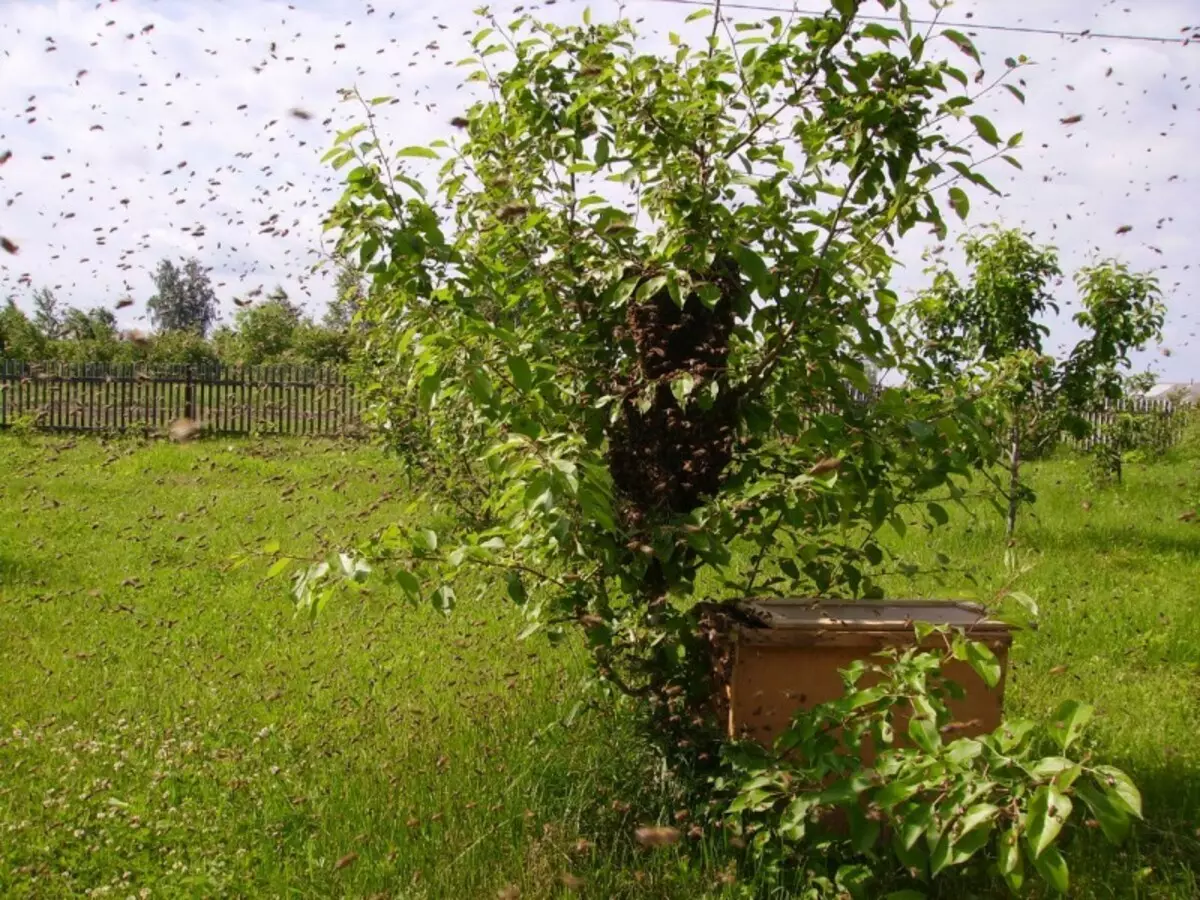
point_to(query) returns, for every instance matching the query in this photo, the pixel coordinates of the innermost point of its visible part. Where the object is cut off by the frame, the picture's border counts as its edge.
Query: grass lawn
(170, 729)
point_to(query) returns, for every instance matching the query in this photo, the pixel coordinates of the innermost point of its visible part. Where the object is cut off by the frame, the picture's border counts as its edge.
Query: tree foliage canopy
(995, 324)
(184, 299)
(636, 347)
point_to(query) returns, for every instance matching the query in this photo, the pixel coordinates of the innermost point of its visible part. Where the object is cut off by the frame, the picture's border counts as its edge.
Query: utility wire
(1024, 29)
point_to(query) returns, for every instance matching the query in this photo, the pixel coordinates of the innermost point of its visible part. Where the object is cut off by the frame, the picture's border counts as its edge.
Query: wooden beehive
(793, 659)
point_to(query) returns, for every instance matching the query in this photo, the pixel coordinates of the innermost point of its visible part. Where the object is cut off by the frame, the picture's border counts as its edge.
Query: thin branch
(791, 101)
(712, 37)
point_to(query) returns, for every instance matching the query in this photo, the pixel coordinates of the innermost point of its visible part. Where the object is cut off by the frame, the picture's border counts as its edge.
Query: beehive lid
(803, 614)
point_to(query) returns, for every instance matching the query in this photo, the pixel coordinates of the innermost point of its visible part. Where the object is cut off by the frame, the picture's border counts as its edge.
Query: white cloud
(1132, 160)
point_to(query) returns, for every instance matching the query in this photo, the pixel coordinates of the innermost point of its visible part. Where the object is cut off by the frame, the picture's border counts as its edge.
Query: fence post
(188, 408)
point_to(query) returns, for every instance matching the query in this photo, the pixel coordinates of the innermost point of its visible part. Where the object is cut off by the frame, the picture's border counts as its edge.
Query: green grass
(170, 727)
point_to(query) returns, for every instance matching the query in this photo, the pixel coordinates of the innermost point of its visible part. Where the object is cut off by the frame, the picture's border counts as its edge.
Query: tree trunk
(1014, 478)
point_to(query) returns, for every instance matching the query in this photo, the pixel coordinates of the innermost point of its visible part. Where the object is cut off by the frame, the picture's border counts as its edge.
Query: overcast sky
(148, 128)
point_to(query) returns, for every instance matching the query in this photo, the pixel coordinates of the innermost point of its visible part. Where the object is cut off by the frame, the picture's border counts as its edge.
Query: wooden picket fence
(1161, 422)
(293, 400)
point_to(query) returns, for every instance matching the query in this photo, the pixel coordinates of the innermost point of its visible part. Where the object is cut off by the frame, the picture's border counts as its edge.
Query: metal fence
(299, 400)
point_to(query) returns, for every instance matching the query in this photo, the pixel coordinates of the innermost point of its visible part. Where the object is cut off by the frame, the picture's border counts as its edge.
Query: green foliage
(95, 324)
(20, 338)
(655, 272)
(263, 332)
(997, 315)
(1124, 312)
(179, 348)
(321, 344)
(184, 300)
(276, 331)
(48, 314)
(105, 349)
(929, 801)
(349, 292)
(994, 326)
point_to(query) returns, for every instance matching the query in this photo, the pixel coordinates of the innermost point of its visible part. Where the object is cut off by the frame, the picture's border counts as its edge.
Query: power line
(1024, 29)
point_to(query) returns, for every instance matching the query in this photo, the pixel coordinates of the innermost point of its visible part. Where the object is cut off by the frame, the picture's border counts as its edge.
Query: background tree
(264, 332)
(348, 297)
(279, 296)
(96, 324)
(996, 320)
(180, 348)
(20, 338)
(321, 345)
(184, 300)
(47, 313)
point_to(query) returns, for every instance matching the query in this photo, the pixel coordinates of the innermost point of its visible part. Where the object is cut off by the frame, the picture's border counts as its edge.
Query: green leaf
(923, 732)
(623, 290)
(443, 599)
(1053, 868)
(911, 855)
(270, 548)
(650, 287)
(521, 373)
(698, 14)
(1049, 767)
(984, 662)
(1111, 815)
(959, 202)
(428, 390)
(1120, 788)
(986, 130)
(979, 814)
(516, 588)
(882, 33)
(894, 792)
(409, 584)
(922, 431)
(864, 831)
(1010, 735)
(1068, 722)
(755, 269)
(1009, 860)
(682, 387)
(1016, 92)
(277, 567)
(963, 750)
(940, 857)
(1048, 809)
(422, 152)
(963, 43)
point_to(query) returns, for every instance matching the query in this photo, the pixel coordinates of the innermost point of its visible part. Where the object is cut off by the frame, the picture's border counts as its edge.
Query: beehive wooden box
(793, 660)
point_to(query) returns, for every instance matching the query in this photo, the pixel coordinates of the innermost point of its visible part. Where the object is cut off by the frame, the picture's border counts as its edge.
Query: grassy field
(169, 729)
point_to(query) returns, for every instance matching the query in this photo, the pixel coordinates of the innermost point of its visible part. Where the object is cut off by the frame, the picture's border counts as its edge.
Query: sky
(143, 129)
